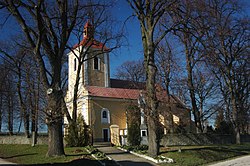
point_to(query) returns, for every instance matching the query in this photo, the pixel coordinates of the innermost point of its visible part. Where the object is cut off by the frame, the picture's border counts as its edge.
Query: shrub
(134, 134)
(78, 133)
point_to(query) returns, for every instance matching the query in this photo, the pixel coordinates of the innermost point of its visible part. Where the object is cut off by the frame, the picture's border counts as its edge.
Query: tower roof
(88, 25)
(91, 43)
(88, 38)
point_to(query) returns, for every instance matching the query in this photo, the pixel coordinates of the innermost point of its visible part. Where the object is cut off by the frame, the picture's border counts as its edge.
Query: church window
(96, 63)
(143, 133)
(105, 116)
(75, 64)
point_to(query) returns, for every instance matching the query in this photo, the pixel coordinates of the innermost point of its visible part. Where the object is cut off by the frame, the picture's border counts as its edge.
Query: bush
(78, 133)
(141, 147)
(133, 119)
(134, 135)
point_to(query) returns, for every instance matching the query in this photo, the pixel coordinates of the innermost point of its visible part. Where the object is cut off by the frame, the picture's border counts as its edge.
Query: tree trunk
(235, 119)
(169, 114)
(54, 121)
(10, 115)
(34, 127)
(55, 142)
(24, 112)
(76, 87)
(191, 88)
(1, 105)
(153, 145)
(151, 102)
(26, 119)
(167, 82)
(34, 123)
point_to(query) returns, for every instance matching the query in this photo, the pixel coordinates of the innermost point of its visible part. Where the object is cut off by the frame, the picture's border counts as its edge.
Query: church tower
(95, 70)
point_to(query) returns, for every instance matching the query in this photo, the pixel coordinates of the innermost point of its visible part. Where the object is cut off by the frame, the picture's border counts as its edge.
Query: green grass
(189, 155)
(202, 155)
(26, 154)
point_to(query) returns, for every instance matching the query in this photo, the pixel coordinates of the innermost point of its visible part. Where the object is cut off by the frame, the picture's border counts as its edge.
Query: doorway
(105, 133)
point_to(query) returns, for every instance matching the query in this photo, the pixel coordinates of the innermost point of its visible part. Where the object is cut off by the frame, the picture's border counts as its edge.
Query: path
(4, 162)
(122, 158)
(241, 161)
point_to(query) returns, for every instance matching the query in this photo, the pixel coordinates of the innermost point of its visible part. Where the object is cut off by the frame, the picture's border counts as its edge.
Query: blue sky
(121, 12)
(133, 51)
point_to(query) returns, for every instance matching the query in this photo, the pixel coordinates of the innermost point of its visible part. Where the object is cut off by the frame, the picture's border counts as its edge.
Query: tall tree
(8, 97)
(166, 66)
(149, 14)
(191, 30)
(47, 27)
(24, 68)
(228, 58)
(206, 93)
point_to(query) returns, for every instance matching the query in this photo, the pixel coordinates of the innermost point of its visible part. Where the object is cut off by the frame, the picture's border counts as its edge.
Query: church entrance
(105, 133)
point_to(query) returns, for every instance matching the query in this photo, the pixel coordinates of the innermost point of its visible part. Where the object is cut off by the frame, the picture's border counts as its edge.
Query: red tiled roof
(133, 94)
(113, 92)
(87, 42)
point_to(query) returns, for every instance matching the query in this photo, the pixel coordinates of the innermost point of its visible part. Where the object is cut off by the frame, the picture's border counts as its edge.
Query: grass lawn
(28, 155)
(202, 155)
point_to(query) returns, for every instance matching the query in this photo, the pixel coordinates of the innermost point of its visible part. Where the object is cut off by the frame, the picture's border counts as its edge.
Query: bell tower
(95, 70)
(88, 32)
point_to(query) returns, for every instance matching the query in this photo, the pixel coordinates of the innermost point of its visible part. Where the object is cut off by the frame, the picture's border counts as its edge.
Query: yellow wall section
(117, 110)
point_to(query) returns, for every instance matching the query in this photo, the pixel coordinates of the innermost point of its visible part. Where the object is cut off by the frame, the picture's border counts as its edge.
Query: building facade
(102, 101)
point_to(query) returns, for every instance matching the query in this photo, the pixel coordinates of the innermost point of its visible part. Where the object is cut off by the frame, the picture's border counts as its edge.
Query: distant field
(26, 154)
(201, 155)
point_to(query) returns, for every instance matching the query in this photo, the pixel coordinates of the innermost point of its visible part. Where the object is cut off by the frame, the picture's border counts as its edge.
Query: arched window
(75, 64)
(96, 63)
(105, 116)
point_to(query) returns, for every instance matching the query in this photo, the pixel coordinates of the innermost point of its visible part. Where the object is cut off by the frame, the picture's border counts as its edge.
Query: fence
(21, 139)
(200, 139)
(167, 140)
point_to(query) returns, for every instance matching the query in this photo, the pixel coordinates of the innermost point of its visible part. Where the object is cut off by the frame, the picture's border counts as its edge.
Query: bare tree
(166, 65)
(206, 94)
(228, 59)
(191, 31)
(2, 76)
(24, 69)
(149, 13)
(47, 27)
(8, 97)
(132, 71)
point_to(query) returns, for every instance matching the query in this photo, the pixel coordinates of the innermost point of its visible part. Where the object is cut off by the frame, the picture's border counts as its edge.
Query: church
(103, 101)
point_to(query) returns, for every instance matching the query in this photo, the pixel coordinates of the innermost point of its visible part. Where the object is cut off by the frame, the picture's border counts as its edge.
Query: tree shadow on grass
(133, 163)
(222, 149)
(77, 162)
(19, 155)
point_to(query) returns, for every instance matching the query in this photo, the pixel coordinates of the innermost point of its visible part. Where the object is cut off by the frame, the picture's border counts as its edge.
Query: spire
(88, 30)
